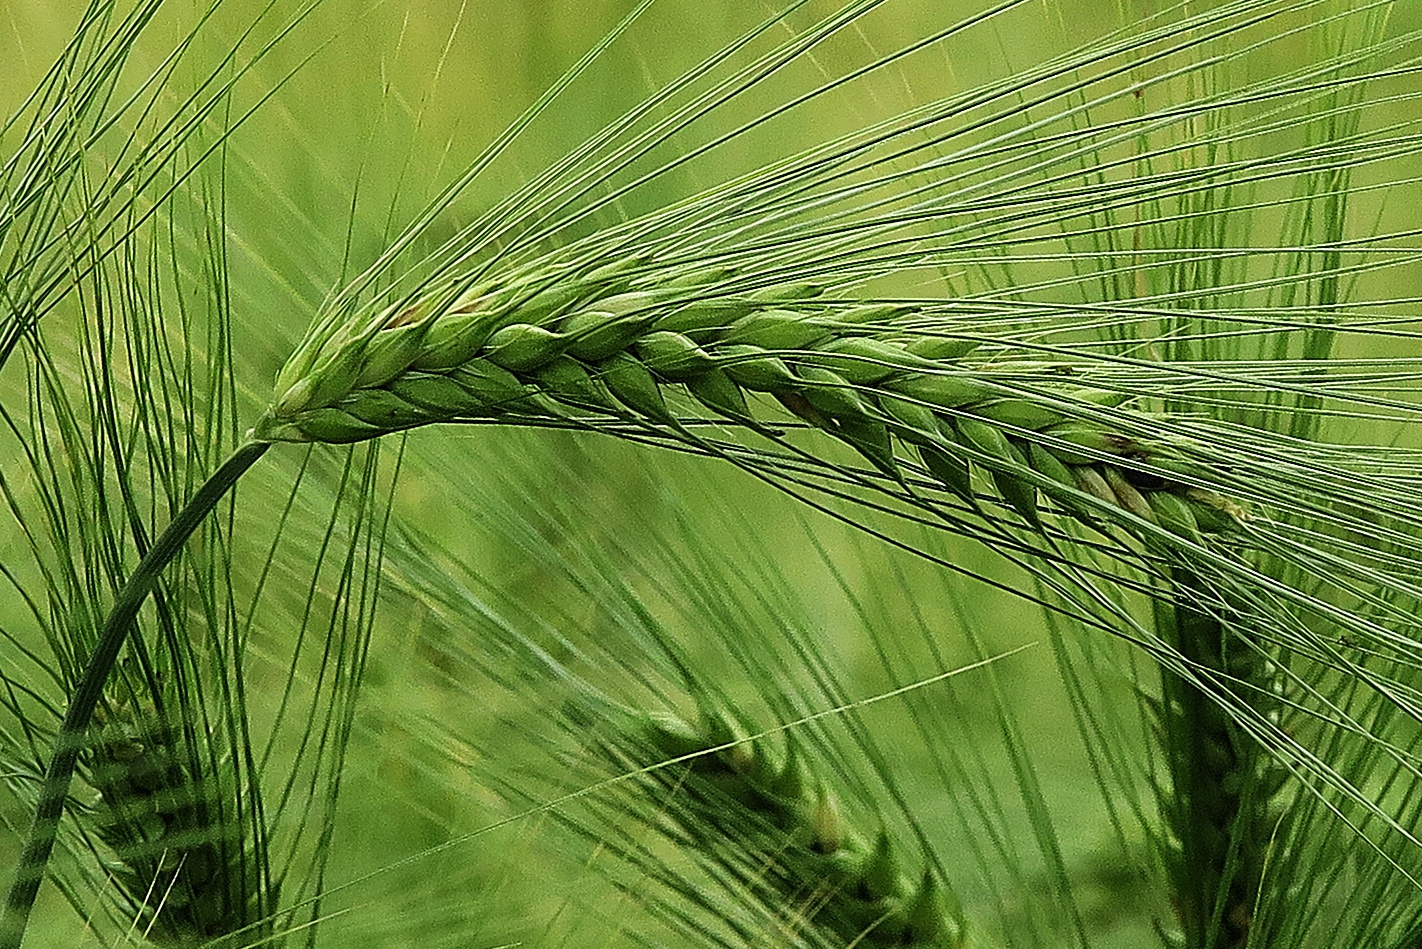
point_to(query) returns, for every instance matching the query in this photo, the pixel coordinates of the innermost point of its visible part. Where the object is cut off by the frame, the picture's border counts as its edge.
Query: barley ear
(1221, 808)
(181, 857)
(70, 739)
(739, 802)
(878, 377)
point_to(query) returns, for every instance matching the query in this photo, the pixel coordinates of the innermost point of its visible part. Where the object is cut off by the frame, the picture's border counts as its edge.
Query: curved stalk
(72, 731)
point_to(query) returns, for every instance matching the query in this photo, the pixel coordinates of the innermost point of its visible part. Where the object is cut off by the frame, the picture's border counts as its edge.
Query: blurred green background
(372, 108)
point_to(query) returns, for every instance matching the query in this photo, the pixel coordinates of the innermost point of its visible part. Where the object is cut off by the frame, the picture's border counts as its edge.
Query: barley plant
(1008, 534)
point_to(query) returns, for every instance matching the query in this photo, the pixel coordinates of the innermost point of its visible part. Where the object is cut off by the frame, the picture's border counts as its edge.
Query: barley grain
(1224, 785)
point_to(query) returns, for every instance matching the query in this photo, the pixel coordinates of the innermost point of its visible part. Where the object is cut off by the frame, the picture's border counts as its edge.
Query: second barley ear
(738, 799)
(180, 854)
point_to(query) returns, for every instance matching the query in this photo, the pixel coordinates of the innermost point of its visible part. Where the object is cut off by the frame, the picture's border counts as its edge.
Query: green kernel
(776, 329)
(754, 368)
(523, 347)
(673, 356)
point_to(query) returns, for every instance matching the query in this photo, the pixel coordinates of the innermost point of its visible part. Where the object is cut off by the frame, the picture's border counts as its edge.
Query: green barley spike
(1222, 808)
(179, 855)
(737, 800)
(868, 374)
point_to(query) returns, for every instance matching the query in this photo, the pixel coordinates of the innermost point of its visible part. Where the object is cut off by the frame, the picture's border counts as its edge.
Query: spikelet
(738, 800)
(550, 345)
(179, 857)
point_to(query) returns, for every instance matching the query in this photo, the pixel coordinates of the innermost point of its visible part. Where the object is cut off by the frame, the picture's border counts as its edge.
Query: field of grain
(1118, 648)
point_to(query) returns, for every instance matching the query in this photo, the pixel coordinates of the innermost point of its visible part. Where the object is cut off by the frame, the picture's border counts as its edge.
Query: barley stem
(70, 738)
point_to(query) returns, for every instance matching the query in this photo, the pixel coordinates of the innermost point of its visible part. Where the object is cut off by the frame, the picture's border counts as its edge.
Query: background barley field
(420, 621)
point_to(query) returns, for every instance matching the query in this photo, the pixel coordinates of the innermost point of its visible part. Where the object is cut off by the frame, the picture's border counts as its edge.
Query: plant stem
(70, 738)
